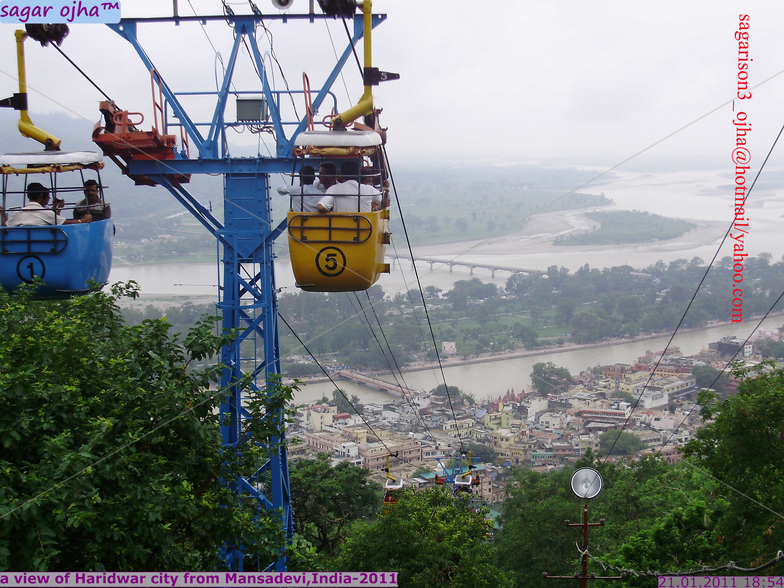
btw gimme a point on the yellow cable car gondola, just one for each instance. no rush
(340, 251)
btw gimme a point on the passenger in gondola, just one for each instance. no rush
(327, 175)
(369, 178)
(92, 205)
(306, 196)
(36, 213)
(349, 195)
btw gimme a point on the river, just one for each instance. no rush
(702, 197)
(494, 378)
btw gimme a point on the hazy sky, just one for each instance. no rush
(504, 81)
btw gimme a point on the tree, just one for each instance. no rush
(112, 455)
(485, 453)
(546, 378)
(326, 500)
(527, 336)
(672, 519)
(742, 448)
(564, 311)
(431, 538)
(770, 348)
(340, 400)
(620, 442)
(441, 390)
(422, 470)
(709, 377)
(533, 538)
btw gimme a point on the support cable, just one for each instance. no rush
(321, 367)
(408, 295)
(405, 386)
(424, 303)
(105, 95)
(204, 30)
(342, 78)
(353, 47)
(688, 414)
(268, 33)
(696, 291)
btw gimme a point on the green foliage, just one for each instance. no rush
(301, 370)
(327, 500)
(743, 448)
(587, 327)
(422, 470)
(340, 400)
(533, 538)
(111, 449)
(667, 519)
(710, 377)
(474, 289)
(485, 453)
(546, 378)
(658, 517)
(454, 392)
(620, 442)
(431, 538)
(770, 348)
(622, 226)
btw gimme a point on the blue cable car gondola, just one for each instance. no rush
(69, 259)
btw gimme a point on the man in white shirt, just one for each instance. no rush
(349, 195)
(36, 213)
(306, 196)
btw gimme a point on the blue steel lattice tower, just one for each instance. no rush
(247, 296)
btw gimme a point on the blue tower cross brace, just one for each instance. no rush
(247, 297)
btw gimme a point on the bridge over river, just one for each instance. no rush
(469, 264)
(376, 383)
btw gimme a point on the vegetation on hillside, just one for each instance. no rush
(718, 505)
(124, 473)
(112, 457)
(587, 306)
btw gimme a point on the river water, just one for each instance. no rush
(703, 197)
(494, 378)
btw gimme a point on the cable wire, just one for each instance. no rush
(79, 69)
(353, 48)
(405, 386)
(321, 367)
(424, 302)
(696, 291)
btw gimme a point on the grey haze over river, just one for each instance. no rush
(702, 197)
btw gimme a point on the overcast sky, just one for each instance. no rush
(507, 81)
